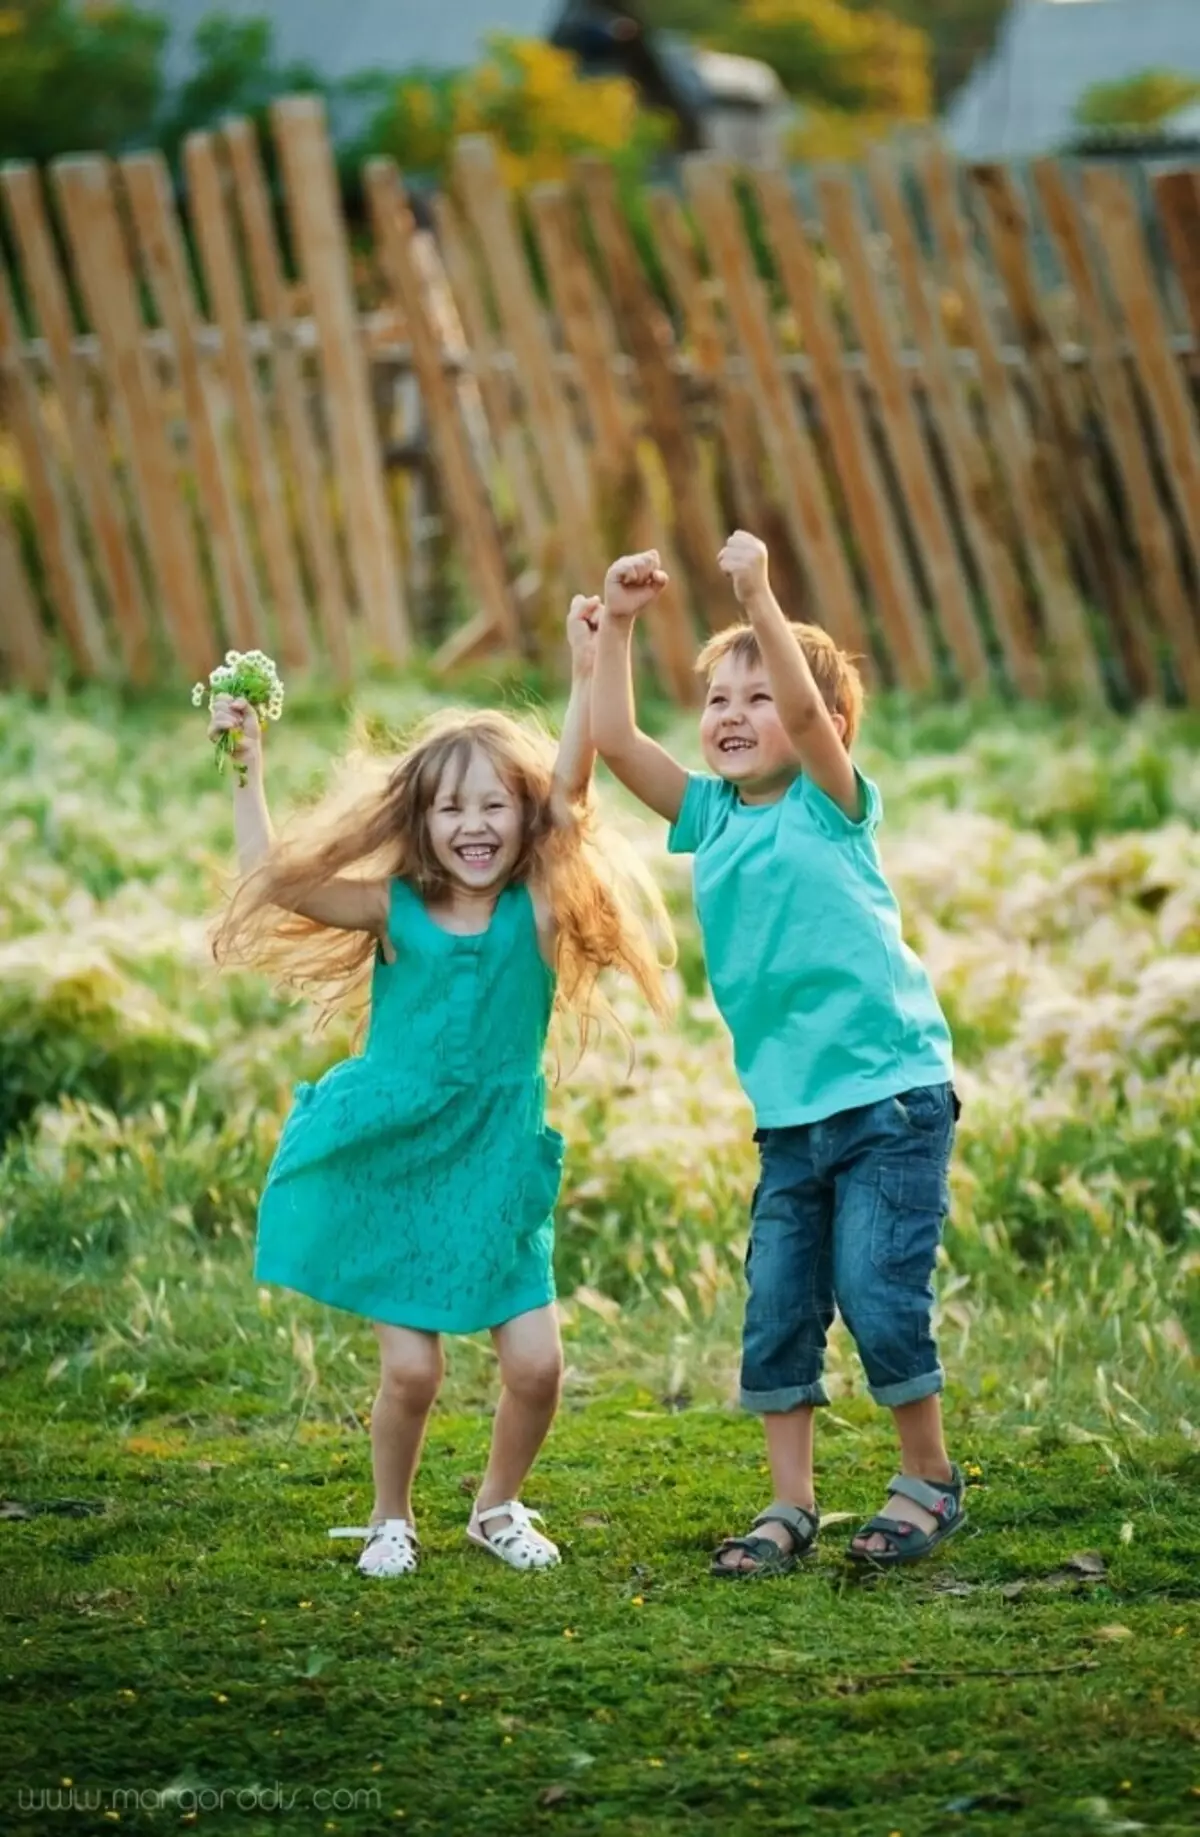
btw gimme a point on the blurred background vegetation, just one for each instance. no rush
(79, 77)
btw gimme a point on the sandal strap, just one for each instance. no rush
(896, 1530)
(398, 1529)
(942, 1498)
(797, 1519)
(760, 1548)
(522, 1517)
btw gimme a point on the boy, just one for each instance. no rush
(838, 1040)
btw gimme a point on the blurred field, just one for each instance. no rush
(1050, 874)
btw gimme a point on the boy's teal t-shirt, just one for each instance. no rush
(827, 1005)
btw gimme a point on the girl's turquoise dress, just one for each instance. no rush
(416, 1184)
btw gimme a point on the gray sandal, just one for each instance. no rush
(766, 1554)
(906, 1542)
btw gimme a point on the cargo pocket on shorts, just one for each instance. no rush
(911, 1202)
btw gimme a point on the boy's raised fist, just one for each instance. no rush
(632, 582)
(744, 559)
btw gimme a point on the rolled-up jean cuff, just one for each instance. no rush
(794, 1397)
(929, 1384)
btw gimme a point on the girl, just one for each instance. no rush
(416, 1184)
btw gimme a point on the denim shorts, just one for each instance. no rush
(848, 1213)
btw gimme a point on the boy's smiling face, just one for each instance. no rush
(741, 734)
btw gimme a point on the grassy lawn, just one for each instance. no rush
(175, 1443)
(196, 1631)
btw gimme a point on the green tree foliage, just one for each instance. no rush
(959, 32)
(531, 98)
(75, 78)
(831, 54)
(1141, 101)
(236, 74)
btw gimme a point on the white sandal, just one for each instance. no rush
(391, 1547)
(518, 1544)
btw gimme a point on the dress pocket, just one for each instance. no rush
(544, 1178)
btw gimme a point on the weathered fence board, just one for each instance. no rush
(148, 188)
(831, 590)
(48, 497)
(114, 555)
(24, 648)
(951, 457)
(564, 464)
(646, 332)
(465, 492)
(847, 237)
(319, 236)
(966, 460)
(109, 286)
(318, 537)
(627, 514)
(1073, 656)
(1149, 524)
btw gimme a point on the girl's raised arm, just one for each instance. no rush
(343, 904)
(641, 764)
(576, 754)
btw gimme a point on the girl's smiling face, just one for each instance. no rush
(741, 734)
(475, 825)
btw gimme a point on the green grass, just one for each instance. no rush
(182, 1440)
(199, 1632)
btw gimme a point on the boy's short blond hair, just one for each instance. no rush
(835, 673)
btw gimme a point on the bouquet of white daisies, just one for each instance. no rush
(249, 676)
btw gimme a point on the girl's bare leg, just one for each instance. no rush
(410, 1376)
(531, 1363)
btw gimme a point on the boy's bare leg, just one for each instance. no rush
(923, 1455)
(790, 1453)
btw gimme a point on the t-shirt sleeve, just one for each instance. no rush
(833, 819)
(697, 813)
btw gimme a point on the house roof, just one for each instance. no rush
(1020, 102)
(343, 38)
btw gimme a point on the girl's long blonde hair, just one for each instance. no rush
(372, 825)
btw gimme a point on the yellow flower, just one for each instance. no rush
(655, 1763)
(638, 1601)
(219, 1696)
(127, 1696)
(570, 1633)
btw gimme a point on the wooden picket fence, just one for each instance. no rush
(972, 473)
